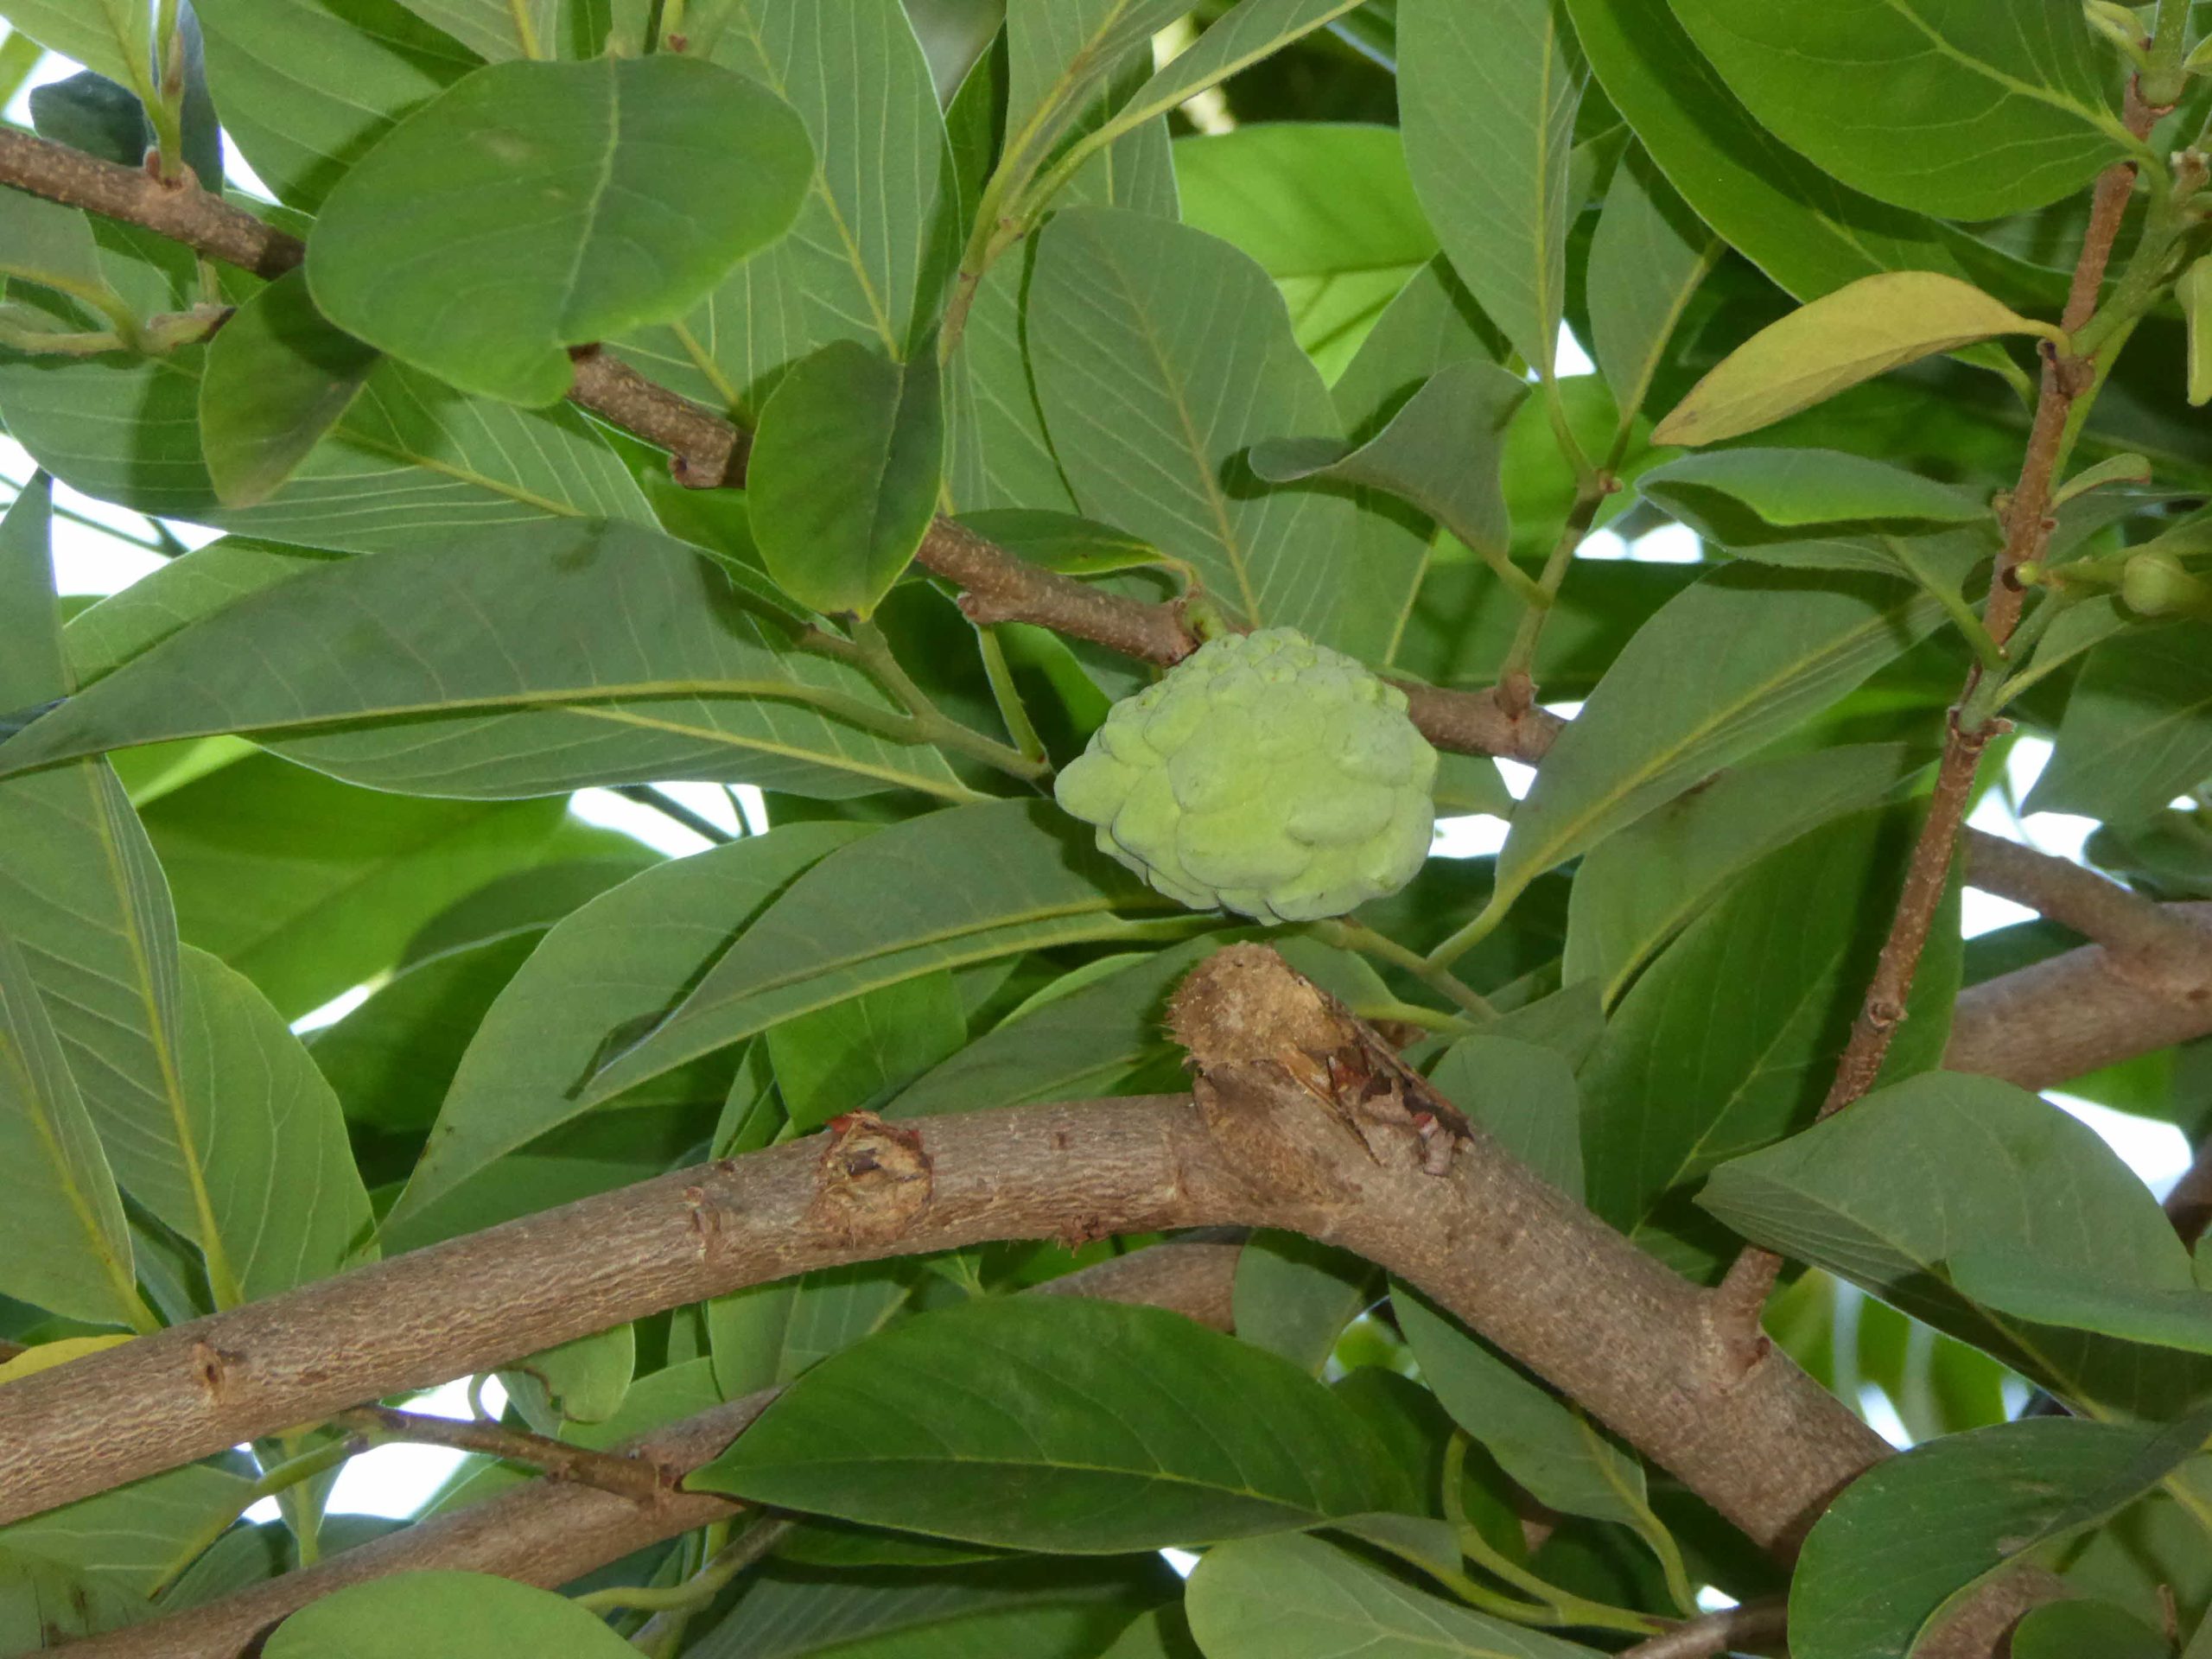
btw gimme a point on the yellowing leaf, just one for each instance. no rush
(47, 1355)
(1866, 328)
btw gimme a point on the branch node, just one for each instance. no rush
(874, 1181)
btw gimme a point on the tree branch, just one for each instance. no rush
(548, 1533)
(707, 450)
(1755, 1624)
(625, 1477)
(2153, 940)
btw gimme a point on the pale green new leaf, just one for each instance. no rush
(1667, 713)
(276, 379)
(43, 241)
(558, 177)
(1734, 496)
(129, 1539)
(63, 1243)
(1001, 876)
(1160, 356)
(1647, 257)
(1487, 96)
(1869, 327)
(639, 658)
(1964, 109)
(1294, 1596)
(495, 30)
(283, 1194)
(619, 963)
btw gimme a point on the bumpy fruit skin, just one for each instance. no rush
(1263, 774)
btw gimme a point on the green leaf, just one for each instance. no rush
(1744, 495)
(844, 475)
(2137, 730)
(1667, 714)
(113, 38)
(308, 888)
(1905, 1540)
(1875, 1195)
(1327, 209)
(1523, 1094)
(412, 458)
(640, 659)
(1543, 1442)
(1958, 86)
(1160, 356)
(1441, 452)
(581, 1380)
(1294, 1297)
(1647, 258)
(375, 63)
(555, 176)
(1039, 1609)
(869, 255)
(1487, 95)
(443, 1616)
(1298, 1597)
(1686, 1077)
(1055, 1423)
(2063, 1630)
(1636, 889)
(2047, 1293)
(1866, 328)
(2194, 290)
(857, 1054)
(1003, 876)
(40, 1604)
(1790, 218)
(276, 379)
(1060, 55)
(283, 1194)
(496, 29)
(43, 242)
(63, 1243)
(765, 1335)
(129, 1539)
(623, 959)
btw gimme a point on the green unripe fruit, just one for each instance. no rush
(2154, 583)
(1263, 774)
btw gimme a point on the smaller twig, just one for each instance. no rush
(869, 651)
(702, 1586)
(674, 812)
(2101, 910)
(1756, 1624)
(1566, 1607)
(273, 1482)
(1013, 712)
(627, 1477)
(1348, 935)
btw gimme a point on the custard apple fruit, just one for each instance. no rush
(1263, 774)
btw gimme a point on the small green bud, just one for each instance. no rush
(2154, 583)
(1263, 774)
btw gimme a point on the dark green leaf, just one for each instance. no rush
(1063, 542)
(1774, 494)
(1957, 85)
(1646, 260)
(855, 1055)
(276, 379)
(2068, 1629)
(1053, 1423)
(2137, 730)
(1488, 97)
(1524, 1095)
(2047, 1293)
(443, 1616)
(1294, 1297)
(1904, 1539)
(844, 475)
(765, 1335)
(557, 176)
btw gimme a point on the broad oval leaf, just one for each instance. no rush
(559, 176)
(1739, 495)
(1161, 355)
(1003, 876)
(1057, 1424)
(2048, 1294)
(843, 476)
(624, 957)
(43, 242)
(617, 646)
(1667, 714)
(276, 379)
(1905, 1539)
(2137, 730)
(1956, 86)
(1866, 328)
(63, 1243)
(1488, 96)
(137, 1535)
(444, 1616)
(1299, 1598)
(1876, 1196)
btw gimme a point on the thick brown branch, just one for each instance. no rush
(548, 1533)
(640, 1482)
(997, 586)
(2155, 942)
(2060, 1019)
(1759, 1624)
